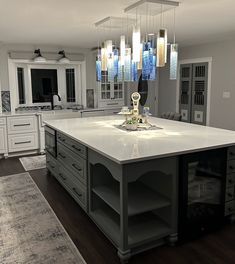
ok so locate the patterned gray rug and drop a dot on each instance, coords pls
(33, 163)
(30, 232)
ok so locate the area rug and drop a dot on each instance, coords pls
(33, 163)
(30, 232)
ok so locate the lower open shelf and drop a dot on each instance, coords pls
(141, 228)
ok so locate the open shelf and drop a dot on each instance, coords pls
(210, 172)
(108, 222)
(141, 228)
(141, 199)
(146, 227)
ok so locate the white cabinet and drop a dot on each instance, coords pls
(110, 94)
(21, 124)
(22, 133)
(22, 142)
(3, 136)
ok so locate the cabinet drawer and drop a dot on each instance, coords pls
(111, 103)
(51, 164)
(21, 124)
(231, 153)
(231, 166)
(75, 188)
(22, 142)
(78, 192)
(229, 208)
(72, 145)
(230, 180)
(2, 121)
(74, 163)
(3, 139)
(229, 194)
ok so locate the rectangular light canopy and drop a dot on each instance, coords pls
(154, 7)
(114, 22)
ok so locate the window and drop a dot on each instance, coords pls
(44, 84)
(21, 90)
(70, 85)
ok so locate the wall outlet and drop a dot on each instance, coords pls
(226, 95)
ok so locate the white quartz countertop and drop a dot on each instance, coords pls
(101, 135)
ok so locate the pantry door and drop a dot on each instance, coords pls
(193, 92)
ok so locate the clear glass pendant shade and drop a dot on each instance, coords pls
(136, 43)
(103, 60)
(122, 50)
(161, 48)
(127, 66)
(174, 61)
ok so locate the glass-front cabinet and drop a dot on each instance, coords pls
(111, 94)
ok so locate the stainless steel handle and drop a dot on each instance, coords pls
(61, 176)
(78, 149)
(62, 139)
(112, 103)
(19, 125)
(79, 194)
(61, 155)
(77, 168)
(22, 142)
(48, 162)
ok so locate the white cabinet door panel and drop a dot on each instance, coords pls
(21, 124)
(3, 140)
(22, 142)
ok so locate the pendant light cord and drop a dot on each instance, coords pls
(174, 26)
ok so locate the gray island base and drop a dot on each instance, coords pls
(131, 196)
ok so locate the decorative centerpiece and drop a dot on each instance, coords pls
(133, 119)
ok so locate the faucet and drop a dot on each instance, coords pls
(52, 100)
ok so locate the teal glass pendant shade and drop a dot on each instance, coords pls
(98, 67)
(134, 71)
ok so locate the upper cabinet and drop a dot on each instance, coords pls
(110, 94)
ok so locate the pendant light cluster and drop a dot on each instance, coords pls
(122, 62)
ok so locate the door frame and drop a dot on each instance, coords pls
(192, 61)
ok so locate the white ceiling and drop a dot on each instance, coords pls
(71, 22)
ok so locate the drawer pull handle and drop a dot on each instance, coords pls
(62, 156)
(79, 194)
(62, 139)
(61, 176)
(231, 167)
(19, 125)
(112, 103)
(22, 142)
(78, 149)
(230, 195)
(230, 181)
(77, 168)
(231, 153)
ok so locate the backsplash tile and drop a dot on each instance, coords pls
(90, 98)
(6, 101)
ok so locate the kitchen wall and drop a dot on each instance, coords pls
(222, 113)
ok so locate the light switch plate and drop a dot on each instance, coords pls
(226, 95)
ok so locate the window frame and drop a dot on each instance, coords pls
(80, 79)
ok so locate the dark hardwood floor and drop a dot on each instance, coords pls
(216, 248)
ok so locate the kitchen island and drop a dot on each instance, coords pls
(129, 182)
